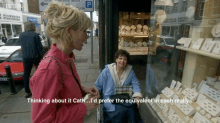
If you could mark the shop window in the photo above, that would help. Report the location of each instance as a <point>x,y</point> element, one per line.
<point>201,6</point>
<point>22,6</point>
<point>2,3</point>
<point>195,24</point>
<point>175,8</point>
<point>166,30</point>
<point>134,30</point>
<point>200,9</point>
<point>184,6</point>
<point>6,28</point>
<point>16,30</point>
<point>167,9</point>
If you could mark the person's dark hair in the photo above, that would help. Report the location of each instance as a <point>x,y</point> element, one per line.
<point>122,53</point>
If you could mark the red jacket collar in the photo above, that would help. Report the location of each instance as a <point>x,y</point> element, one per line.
<point>59,55</point>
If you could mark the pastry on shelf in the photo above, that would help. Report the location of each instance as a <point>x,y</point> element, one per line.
<point>146,30</point>
<point>131,44</point>
<point>139,44</point>
<point>139,27</point>
<point>121,43</point>
<point>144,43</point>
<point>123,26</point>
<point>122,30</point>
<point>128,32</point>
<point>126,44</point>
<point>136,45</point>
<point>133,27</point>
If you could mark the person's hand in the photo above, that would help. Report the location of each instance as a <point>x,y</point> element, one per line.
<point>91,104</point>
<point>92,90</point>
<point>138,103</point>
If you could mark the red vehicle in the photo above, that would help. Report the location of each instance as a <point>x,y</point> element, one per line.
<point>15,61</point>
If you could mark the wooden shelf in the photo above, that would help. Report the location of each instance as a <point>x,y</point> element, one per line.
<point>156,112</point>
<point>140,18</point>
<point>138,53</point>
<point>200,52</point>
<point>143,36</point>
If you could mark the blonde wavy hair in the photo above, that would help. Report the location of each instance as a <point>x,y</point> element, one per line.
<point>60,17</point>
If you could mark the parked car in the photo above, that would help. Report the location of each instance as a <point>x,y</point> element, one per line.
<point>15,61</point>
<point>162,42</point>
<point>163,46</point>
<point>12,45</point>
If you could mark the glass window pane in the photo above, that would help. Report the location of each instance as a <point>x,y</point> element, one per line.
<point>17,56</point>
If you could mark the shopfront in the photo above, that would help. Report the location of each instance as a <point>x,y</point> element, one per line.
<point>187,67</point>
<point>181,40</point>
<point>36,19</point>
<point>10,22</point>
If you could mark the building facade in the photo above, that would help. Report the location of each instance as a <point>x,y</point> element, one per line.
<point>13,14</point>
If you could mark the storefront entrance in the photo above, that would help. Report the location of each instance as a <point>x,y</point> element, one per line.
<point>6,29</point>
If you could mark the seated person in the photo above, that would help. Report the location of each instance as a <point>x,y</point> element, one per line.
<point>114,75</point>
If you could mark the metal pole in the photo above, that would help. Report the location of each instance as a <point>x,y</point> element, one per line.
<point>91,38</point>
<point>10,79</point>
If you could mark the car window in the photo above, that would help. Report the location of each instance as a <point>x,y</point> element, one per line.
<point>13,42</point>
<point>10,42</point>
<point>17,56</point>
<point>161,40</point>
<point>169,41</point>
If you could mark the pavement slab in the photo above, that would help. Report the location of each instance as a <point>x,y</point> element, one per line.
<point>19,94</point>
<point>2,100</point>
<point>12,105</point>
<point>87,71</point>
<point>91,118</point>
<point>82,67</point>
<point>83,78</point>
<point>24,117</point>
<point>94,67</point>
<point>88,84</point>
<point>4,95</point>
<point>97,71</point>
<point>93,77</point>
<point>94,64</point>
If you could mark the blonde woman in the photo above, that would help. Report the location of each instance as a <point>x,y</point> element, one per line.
<point>56,89</point>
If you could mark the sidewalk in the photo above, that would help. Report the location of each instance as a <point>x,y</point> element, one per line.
<point>16,109</point>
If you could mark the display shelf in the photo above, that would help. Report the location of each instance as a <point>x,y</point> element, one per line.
<point>138,53</point>
<point>200,52</point>
<point>179,112</point>
<point>141,36</point>
<point>136,50</point>
<point>130,19</point>
<point>159,111</point>
<point>175,108</point>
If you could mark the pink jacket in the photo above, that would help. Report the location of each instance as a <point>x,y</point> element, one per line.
<point>46,84</point>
